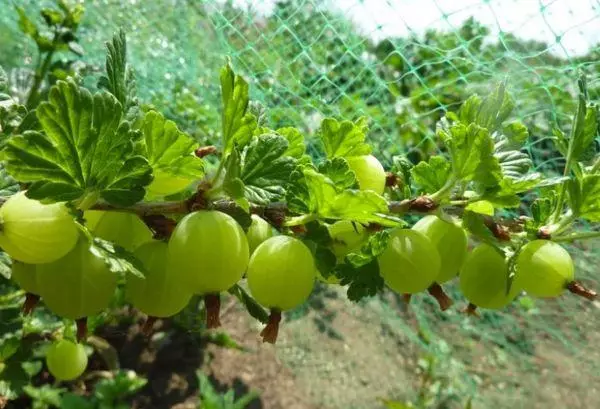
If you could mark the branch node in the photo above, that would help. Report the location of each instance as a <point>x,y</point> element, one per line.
<point>422,204</point>
<point>82,329</point>
<point>31,301</point>
<point>204,151</point>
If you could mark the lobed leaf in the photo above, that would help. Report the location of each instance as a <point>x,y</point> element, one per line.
<point>85,148</point>
<point>345,138</point>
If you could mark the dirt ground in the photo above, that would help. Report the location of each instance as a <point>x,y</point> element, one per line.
<point>334,354</point>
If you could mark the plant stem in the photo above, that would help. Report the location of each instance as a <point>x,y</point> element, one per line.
<point>577,236</point>
<point>444,190</point>
<point>40,74</point>
<point>297,221</point>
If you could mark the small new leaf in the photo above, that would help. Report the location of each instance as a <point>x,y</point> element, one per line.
<point>362,281</point>
<point>296,146</point>
<point>238,124</point>
<point>431,176</point>
<point>85,149</point>
<point>169,150</point>
<point>118,260</point>
<point>265,170</point>
<point>119,79</point>
<point>345,138</point>
<point>471,152</point>
<point>339,172</point>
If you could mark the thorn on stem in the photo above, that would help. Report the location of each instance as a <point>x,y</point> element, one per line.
<point>270,332</point>
<point>81,329</point>
<point>148,325</point>
<point>441,297</point>
<point>31,300</point>
<point>212,302</point>
<point>580,290</point>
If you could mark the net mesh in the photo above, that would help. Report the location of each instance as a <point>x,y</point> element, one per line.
<point>402,64</point>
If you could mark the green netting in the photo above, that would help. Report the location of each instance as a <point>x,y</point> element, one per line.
<point>402,64</point>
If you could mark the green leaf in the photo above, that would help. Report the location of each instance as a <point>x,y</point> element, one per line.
<point>8,347</point>
<point>585,197</point>
<point>516,133</point>
<point>254,309</point>
<point>339,172</point>
<point>542,208</point>
<point>431,176</point>
<point>376,244</point>
<point>345,138</point>
<point>85,149</point>
<point>119,260</point>
<point>27,26</point>
<point>72,401</point>
<point>504,195</point>
<point>296,146</point>
<point>265,171</point>
<point>52,17</point>
<point>120,78</point>
<point>362,281</point>
<point>169,150</point>
<point>47,395</point>
<point>474,223</point>
<point>471,151</point>
<point>314,193</point>
<point>5,265</point>
<point>489,112</point>
<point>8,186</point>
<point>233,184</point>
<point>585,127</point>
<point>3,80</point>
<point>238,124</point>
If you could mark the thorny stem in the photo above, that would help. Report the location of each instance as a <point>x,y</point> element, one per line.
<point>270,332</point>
<point>40,74</point>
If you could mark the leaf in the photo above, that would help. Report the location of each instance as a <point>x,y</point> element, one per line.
<point>27,26</point>
<point>85,149</point>
<point>119,79</point>
<point>170,150</point>
<point>376,244</point>
<point>585,197</point>
<point>325,261</point>
<point>362,281</point>
<point>585,127</point>
<point>471,151</point>
<point>8,186</point>
<point>8,347</point>
<point>3,80</point>
<point>238,124</point>
<point>253,308</point>
<point>516,133</point>
<point>345,138</point>
<point>314,193</point>
<point>265,171</point>
<point>5,265</point>
<point>542,208</point>
<point>474,223</point>
<point>119,260</point>
<point>46,394</point>
<point>296,147</point>
<point>339,172</point>
<point>431,176</point>
<point>52,17</point>
<point>72,401</point>
<point>232,183</point>
<point>489,112</point>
